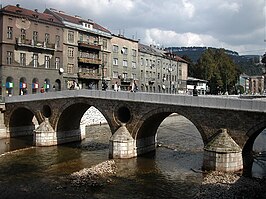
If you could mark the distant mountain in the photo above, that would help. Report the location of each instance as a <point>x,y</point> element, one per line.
<point>248,64</point>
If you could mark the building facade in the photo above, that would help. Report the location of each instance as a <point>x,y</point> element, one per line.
<point>87,51</point>
<point>124,70</point>
<point>31,51</point>
<point>161,71</point>
<point>50,51</point>
<point>252,84</point>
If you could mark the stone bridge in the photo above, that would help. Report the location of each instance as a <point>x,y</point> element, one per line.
<point>228,126</point>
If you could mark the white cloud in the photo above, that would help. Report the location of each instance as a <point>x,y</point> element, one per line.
<point>229,6</point>
<point>189,8</point>
<point>168,38</point>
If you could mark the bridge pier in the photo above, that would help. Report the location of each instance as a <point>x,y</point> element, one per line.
<point>121,144</point>
<point>222,153</point>
<point>45,135</point>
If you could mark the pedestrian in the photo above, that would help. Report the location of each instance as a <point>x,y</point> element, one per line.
<point>116,87</point>
<point>195,91</point>
<point>42,89</point>
<point>134,87</point>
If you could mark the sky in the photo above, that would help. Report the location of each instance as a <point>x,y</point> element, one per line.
<point>237,25</point>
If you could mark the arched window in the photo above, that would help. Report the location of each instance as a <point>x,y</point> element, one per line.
<point>9,86</point>
<point>22,86</point>
<point>35,86</point>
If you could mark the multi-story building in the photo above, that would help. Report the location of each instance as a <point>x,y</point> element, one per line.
<point>30,51</point>
<point>161,71</point>
<point>252,84</point>
<point>124,70</point>
<point>55,51</point>
<point>87,50</point>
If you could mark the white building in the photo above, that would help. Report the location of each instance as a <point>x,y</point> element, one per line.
<point>201,85</point>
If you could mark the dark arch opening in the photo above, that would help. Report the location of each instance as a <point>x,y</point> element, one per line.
<point>47,112</point>
<point>21,127</point>
<point>123,114</point>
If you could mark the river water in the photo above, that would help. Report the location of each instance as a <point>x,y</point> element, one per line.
<point>43,172</point>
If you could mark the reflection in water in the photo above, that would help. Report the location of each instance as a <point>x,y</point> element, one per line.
<point>259,148</point>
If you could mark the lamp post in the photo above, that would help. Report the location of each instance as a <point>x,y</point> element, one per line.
<point>170,70</point>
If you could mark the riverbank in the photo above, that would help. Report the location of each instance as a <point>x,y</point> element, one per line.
<point>217,185</point>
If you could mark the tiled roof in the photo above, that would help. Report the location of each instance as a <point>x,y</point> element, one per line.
<point>149,50</point>
<point>30,13</point>
<point>78,20</point>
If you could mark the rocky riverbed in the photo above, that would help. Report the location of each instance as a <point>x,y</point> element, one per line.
<point>215,185</point>
<point>230,185</point>
<point>97,175</point>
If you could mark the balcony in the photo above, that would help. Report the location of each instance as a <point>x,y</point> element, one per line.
<point>89,75</point>
<point>35,44</point>
<point>94,46</point>
<point>126,80</point>
<point>151,80</point>
<point>89,60</point>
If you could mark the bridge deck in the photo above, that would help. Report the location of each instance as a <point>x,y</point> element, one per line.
<point>218,102</point>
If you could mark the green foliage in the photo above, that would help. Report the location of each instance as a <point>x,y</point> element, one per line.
<point>218,68</point>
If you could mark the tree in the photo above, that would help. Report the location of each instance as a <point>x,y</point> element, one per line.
<point>219,69</point>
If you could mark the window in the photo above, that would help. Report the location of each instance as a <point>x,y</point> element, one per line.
<point>142,61</point>
<point>125,63</point>
<point>70,68</point>
<point>115,62</point>
<point>9,57</point>
<point>115,74</point>
<point>57,41</point>
<point>47,38</point>
<point>22,59</point>
<point>124,75</point>
<point>105,44</point>
<point>23,34</point>
<point>70,36</point>
<point>9,32</point>
<point>158,77</point>
<point>57,62</point>
<point>70,51</point>
<point>124,51</point>
<point>134,65</point>
<point>147,62</point>
<point>134,53</point>
<point>35,60</point>
<point>115,48</point>
<point>134,76</point>
<point>141,74</point>
<point>47,61</point>
<point>35,37</point>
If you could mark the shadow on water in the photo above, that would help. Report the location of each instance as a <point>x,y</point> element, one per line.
<point>12,144</point>
<point>243,187</point>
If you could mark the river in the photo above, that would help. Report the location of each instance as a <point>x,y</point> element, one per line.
<point>43,172</point>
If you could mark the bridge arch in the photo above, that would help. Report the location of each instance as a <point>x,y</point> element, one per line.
<point>21,122</point>
<point>150,122</point>
<point>69,118</point>
<point>247,152</point>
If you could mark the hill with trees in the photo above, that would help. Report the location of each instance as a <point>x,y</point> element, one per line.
<point>248,64</point>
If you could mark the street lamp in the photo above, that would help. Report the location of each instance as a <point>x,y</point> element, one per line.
<point>170,70</point>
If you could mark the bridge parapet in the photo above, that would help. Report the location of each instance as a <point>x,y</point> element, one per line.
<point>217,102</point>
